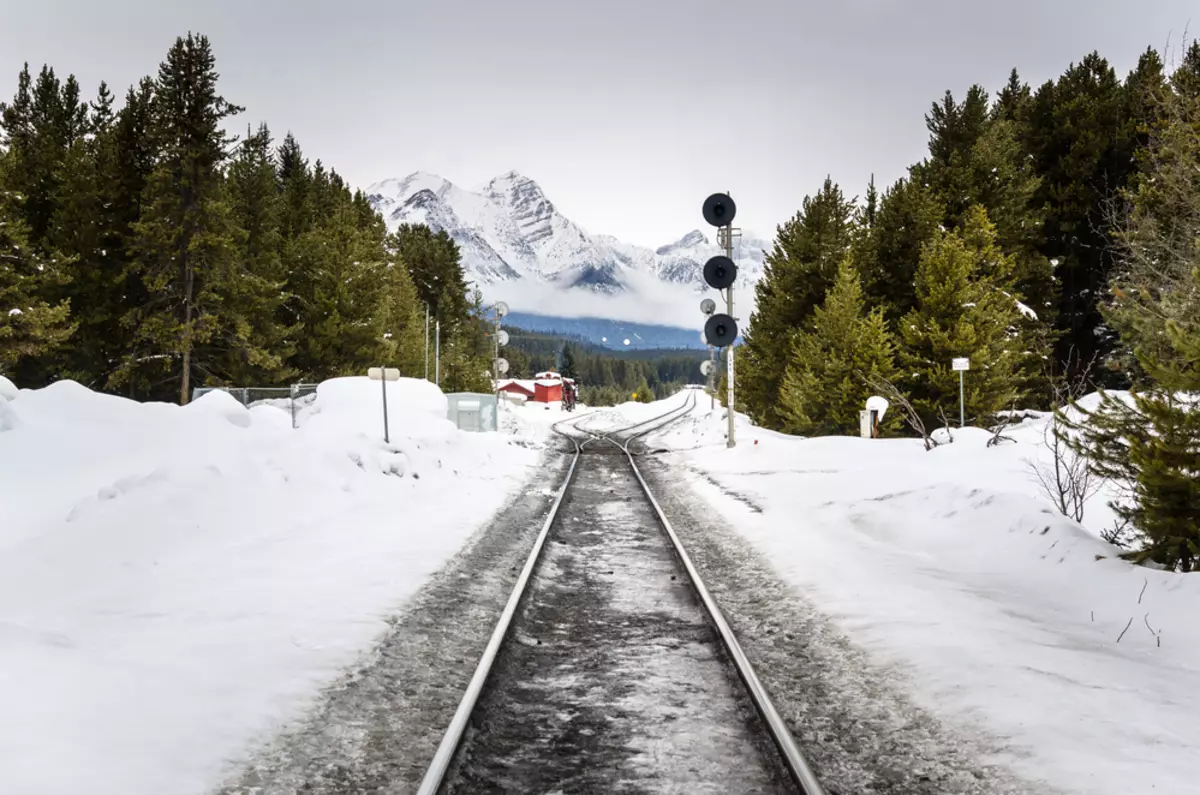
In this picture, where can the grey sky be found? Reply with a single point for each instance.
(627, 113)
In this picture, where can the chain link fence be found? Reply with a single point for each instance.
(292, 399)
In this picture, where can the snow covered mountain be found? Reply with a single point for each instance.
(509, 230)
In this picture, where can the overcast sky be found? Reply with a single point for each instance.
(627, 113)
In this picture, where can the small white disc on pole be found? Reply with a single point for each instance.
(502, 337)
(502, 366)
(501, 308)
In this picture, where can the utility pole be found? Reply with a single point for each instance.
(712, 377)
(437, 352)
(499, 337)
(426, 342)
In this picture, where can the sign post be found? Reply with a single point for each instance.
(961, 365)
(383, 375)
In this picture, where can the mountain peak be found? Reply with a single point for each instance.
(690, 240)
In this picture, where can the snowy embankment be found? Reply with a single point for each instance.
(177, 583)
(1007, 618)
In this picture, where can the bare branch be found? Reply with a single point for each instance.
(1127, 626)
(894, 396)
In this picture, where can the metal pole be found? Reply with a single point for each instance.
(962, 409)
(437, 352)
(729, 352)
(712, 377)
(385, 422)
(426, 342)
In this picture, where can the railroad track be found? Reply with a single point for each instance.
(611, 668)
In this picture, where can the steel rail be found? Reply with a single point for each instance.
(798, 767)
(436, 772)
(452, 738)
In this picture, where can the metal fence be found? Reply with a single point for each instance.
(292, 399)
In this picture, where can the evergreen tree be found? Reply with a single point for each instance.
(1149, 447)
(954, 131)
(405, 330)
(185, 240)
(30, 328)
(435, 264)
(909, 216)
(343, 300)
(1081, 142)
(85, 228)
(798, 272)
(295, 181)
(251, 344)
(1012, 102)
(567, 368)
(1186, 79)
(823, 389)
(963, 312)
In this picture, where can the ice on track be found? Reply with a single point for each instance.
(177, 584)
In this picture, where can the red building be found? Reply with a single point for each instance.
(513, 386)
(547, 391)
(544, 387)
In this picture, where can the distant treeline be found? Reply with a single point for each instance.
(606, 377)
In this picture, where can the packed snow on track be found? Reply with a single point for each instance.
(1007, 620)
(179, 583)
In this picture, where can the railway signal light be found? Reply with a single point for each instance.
(719, 209)
(720, 331)
(720, 272)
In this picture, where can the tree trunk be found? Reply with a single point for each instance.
(188, 281)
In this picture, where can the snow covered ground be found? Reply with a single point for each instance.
(1003, 615)
(177, 583)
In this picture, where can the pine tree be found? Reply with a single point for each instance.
(251, 344)
(909, 216)
(962, 311)
(954, 131)
(798, 272)
(30, 328)
(1012, 102)
(405, 328)
(86, 228)
(343, 300)
(823, 389)
(1081, 141)
(185, 238)
(1149, 447)
(435, 264)
(567, 368)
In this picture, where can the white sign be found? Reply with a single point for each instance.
(502, 337)
(501, 308)
(383, 374)
(961, 364)
(502, 366)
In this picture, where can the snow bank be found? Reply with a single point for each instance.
(176, 583)
(1005, 615)
(8, 390)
